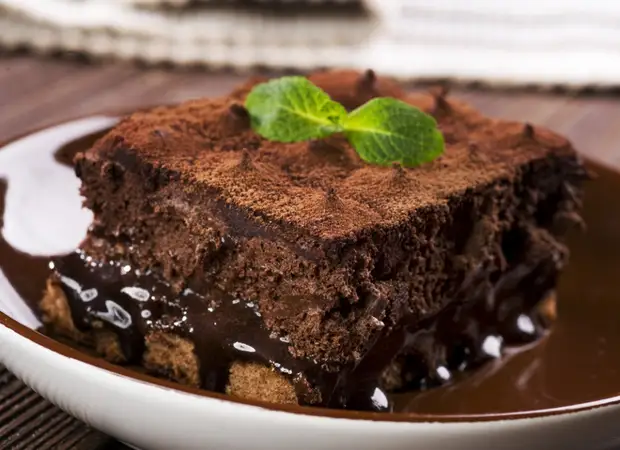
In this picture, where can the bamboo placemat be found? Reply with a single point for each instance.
(28, 422)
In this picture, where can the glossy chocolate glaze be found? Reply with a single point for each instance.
(578, 362)
(223, 329)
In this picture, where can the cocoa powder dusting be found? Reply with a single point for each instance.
(195, 139)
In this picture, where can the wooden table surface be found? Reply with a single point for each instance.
(36, 92)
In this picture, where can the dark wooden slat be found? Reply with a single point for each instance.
(24, 80)
(90, 440)
(591, 123)
(77, 440)
(34, 427)
(53, 424)
(28, 422)
(52, 442)
(132, 92)
(153, 87)
(534, 108)
(10, 389)
(17, 418)
(75, 88)
(13, 404)
(30, 427)
(18, 69)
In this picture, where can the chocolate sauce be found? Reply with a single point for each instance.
(579, 361)
(134, 304)
(481, 324)
(65, 154)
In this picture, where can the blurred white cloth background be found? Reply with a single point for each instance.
(209, 35)
(539, 42)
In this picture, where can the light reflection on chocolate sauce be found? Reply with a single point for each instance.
(223, 329)
(578, 362)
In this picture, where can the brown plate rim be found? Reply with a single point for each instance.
(69, 352)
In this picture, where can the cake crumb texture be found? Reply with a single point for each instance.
(257, 382)
(166, 354)
(172, 356)
(56, 314)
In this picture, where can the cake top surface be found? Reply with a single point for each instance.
(323, 187)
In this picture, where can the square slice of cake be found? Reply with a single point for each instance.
(298, 273)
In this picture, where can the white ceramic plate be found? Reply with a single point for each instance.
(43, 216)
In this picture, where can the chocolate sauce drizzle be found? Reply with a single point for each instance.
(578, 362)
(223, 329)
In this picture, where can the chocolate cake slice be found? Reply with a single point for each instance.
(296, 272)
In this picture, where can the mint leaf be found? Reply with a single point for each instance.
(382, 131)
(292, 109)
(386, 130)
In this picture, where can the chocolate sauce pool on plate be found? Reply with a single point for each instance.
(578, 362)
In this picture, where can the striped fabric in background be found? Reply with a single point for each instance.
(571, 43)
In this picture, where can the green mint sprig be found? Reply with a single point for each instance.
(382, 131)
